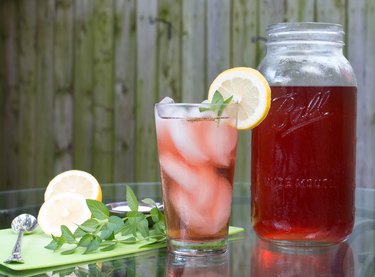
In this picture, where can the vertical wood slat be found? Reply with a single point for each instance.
(83, 85)
(270, 12)
(334, 12)
(369, 84)
(299, 10)
(361, 35)
(243, 53)
(10, 37)
(124, 90)
(44, 89)
(2, 89)
(194, 81)
(63, 82)
(218, 38)
(27, 89)
(103, 90)
(331, 11)
(169, 49)
(356, 38)
(146, 168)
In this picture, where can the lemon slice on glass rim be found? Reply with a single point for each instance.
(249, 89)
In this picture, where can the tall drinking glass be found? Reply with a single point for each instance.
(197, 152)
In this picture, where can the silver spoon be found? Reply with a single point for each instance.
(24, 223)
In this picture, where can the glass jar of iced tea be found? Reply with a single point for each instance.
(303, 153)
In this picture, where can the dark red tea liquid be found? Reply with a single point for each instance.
(303, 165)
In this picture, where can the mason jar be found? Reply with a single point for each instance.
(303, 153)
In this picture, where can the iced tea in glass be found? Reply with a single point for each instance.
(197, 152)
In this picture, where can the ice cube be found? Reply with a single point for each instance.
(206, 217)
(186, 137)
(185, 175)
(166, 100)
(220, 141)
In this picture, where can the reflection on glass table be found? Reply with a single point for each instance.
(247, 255)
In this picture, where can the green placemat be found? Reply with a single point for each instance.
(37, 257)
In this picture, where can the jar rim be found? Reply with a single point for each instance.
(305, 31)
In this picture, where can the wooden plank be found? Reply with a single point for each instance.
(44, 97)
(124, 97)
(299, 10)
(244, 44)
(369, 84)
(9, 16)
(331, 11)
(27, 89)
(146, 96)
(103, 91)
(193, 74)
(270, 12)
(361, 42)
(243, 53)
(169, 22)
(357, 56)
(244, 31)
(63, 77)
(2, 89)
(83, 85)
(218, 38)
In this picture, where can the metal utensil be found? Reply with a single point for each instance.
(24, 223)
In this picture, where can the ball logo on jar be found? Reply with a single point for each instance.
(291, 115)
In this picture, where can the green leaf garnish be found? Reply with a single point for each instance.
(217, 104)
(131, 199)
(103, 232)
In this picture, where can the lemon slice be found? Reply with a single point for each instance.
(75, 181)
(249, 89)
(67, 209)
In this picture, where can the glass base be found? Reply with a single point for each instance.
(189, 248)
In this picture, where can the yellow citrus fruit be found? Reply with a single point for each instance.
(66, 208)
(249, 89)
(75, 181)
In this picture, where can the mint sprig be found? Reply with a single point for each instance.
(217, 104)
(104, 232)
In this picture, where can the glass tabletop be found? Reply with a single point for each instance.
(247, 255)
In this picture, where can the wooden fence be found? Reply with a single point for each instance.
(79, 78)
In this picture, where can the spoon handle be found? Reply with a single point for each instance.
(15, 257)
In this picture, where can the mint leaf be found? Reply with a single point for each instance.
(150, 202)
(86, 240)
(54, 245)
(98, 209)
(93, 245)
(131, 199)
(67, 235)
(218, 104)
(89, 226)
(115, 223)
